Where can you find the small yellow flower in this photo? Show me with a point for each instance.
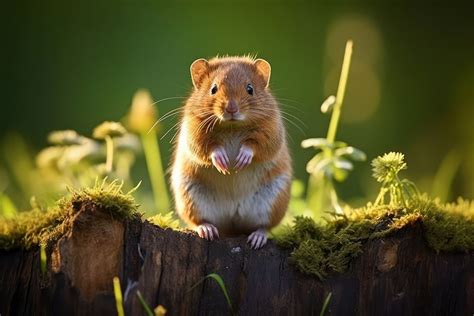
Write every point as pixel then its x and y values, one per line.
pixel 66 138
pixel 49 157
pixel 160 310
pixel 111 129
pixel 143 114
pixel 385 168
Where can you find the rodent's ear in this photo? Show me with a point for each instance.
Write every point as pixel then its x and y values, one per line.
pixel 199 69
pixel 264 69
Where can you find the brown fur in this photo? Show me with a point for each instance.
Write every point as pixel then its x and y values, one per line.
pixel 262 127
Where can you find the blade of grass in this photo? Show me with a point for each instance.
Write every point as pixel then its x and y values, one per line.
pixel 118 297
pixel 221 284
pixel 147 308
pixel 341 89
pixel 151 149
pixel 7 207
pixel 325 305
pixel 43 259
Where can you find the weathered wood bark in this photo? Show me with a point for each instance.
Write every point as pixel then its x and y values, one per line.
pixel 398 275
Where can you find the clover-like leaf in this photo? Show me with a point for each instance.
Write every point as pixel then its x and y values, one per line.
pixel 322 165
pixel 343 164
pixel 328 104
pixel 351 152
pixel 315 142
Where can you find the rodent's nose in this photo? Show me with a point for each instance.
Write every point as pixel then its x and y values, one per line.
pixel 232 107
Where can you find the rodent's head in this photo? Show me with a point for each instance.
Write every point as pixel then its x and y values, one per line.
pixel 231 89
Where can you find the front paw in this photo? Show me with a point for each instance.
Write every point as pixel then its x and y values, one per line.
pixel 220 160
pixel 244 158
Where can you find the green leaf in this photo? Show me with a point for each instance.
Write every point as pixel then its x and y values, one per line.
pixel 315 142
pixel 221 284
pixel 344 164
pixel 43 259
pixel 325 304
pixel 297 188
pixel 340 174
pixel 338 144
pixel 314 161
pixel 328 104
pixel 7 207
pixel 323 165
pixel 351 152
pixel 147 308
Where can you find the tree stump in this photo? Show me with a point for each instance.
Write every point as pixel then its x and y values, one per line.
pixel 396 275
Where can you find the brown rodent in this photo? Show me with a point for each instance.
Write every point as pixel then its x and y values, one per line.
pixel 232 171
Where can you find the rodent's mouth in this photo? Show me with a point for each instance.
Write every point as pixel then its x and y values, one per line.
pixel 234 117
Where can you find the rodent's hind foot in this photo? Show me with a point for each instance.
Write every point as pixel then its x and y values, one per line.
pixel 257 239
pixel 207 231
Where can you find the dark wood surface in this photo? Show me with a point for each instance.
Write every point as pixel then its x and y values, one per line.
pixel 398 275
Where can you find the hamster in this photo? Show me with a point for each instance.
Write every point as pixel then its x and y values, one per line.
pixel 231 173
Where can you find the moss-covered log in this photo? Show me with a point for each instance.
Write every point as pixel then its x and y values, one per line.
pixel 395 275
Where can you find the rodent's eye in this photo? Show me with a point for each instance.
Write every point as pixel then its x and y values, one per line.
pixel 214 89
pixel 249 89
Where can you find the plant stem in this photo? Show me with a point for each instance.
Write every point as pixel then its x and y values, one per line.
pixel 110 154
pixel 118 297
pixel 340 93
pixel 155 170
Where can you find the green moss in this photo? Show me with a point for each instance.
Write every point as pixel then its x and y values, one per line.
pixel 320 249
pixel 165 221
pixel 449 227
pixel 38 227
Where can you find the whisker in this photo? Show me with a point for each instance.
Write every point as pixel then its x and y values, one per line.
pixel 290 100
pixel 164 117
pixel 264 114
pixel 296 118
pixel 166 99
pixel 214 124
pixel 176 133
pixel 203 124
pixel 172 127
pixel 294 124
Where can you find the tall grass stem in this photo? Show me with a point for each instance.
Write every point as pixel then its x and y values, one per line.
pixel 155 170
pixel 110 153
pixel 118 297
pixel 331 136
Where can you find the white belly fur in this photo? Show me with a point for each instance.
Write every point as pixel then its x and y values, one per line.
pixel 238 200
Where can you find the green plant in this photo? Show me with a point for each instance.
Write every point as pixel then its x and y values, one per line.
pixel 38 227
pixel 333 160
pixel 444 176
pixel 142 119
pixel 118 297
pixel 7 207
pixel 108 131
pixel 319 249
pixel 165 221
pixel 385 170
pixel 221 284
pixel 43 259
pixel 144 304
pixel 325 304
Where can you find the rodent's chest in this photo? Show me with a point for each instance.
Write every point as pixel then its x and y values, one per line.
pixel 232 143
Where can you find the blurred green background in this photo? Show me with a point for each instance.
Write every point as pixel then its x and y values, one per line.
pixel 410 89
